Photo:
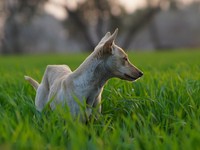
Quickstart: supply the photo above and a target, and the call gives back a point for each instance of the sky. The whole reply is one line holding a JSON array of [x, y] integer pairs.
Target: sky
[[54, 6]]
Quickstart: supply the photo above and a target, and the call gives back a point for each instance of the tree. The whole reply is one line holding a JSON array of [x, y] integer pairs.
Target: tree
[[86, 23], [18, 13], [93, 18]]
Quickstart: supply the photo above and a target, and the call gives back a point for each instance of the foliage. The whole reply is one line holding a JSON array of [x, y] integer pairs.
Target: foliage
[[159, 111]]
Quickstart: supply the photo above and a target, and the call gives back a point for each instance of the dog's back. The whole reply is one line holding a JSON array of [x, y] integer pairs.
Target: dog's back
[[55, 72], [52, 74]]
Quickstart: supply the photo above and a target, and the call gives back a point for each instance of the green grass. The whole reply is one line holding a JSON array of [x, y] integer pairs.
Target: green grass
[[159, 111]]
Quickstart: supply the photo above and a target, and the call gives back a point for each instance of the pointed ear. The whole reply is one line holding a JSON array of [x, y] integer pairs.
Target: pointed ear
[[106, 36], [109, 42]]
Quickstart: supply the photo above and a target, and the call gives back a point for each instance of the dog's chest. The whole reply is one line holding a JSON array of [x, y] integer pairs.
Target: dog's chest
[[88, 93]]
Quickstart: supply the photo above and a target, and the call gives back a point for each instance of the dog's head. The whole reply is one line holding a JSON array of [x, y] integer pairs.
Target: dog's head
[[116, 60]]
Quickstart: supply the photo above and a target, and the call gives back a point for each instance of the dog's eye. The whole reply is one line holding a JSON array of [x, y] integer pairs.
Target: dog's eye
[[125, 58]]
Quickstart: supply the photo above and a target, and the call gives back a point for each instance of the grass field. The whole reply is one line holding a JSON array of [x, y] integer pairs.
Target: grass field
[[159, 111]]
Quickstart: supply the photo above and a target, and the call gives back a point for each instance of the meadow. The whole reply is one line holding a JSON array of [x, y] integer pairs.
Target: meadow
[[159, 111]]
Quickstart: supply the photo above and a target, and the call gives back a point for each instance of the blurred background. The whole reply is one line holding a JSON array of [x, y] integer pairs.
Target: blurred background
[[41, 26]]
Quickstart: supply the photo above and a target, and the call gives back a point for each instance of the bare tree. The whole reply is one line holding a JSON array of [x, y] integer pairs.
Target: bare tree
[[86, 23], [154, 34], [93, 18], [18, 14], [143, 18]]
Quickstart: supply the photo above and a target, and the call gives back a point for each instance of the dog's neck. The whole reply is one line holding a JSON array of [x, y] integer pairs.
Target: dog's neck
[[92, 72]]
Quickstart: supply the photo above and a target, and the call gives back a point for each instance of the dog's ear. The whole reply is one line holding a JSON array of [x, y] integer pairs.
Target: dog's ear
[[109, 42], [106, 36]]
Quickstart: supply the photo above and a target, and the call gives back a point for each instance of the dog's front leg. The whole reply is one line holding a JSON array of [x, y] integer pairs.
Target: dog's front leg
[[97, 105]]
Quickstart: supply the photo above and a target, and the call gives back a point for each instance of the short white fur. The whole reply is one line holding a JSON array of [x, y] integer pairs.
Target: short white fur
[[62, 86]]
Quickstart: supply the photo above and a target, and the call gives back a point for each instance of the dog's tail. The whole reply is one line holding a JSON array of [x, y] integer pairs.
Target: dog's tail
[[33, 82]]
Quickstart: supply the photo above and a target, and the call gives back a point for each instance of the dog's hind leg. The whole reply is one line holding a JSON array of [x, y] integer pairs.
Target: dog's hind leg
[[42, 93], [41, 98]]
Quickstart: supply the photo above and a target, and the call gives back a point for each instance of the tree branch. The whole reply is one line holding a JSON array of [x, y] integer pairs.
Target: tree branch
[[143, 20]]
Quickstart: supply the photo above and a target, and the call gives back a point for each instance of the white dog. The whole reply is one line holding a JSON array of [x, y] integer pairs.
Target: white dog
[[62, 86]]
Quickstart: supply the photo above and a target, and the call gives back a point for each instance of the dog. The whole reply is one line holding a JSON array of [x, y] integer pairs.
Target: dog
[[84, 85]]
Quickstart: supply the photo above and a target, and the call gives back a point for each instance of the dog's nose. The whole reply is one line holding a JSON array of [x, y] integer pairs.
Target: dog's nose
[[140, 73]]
